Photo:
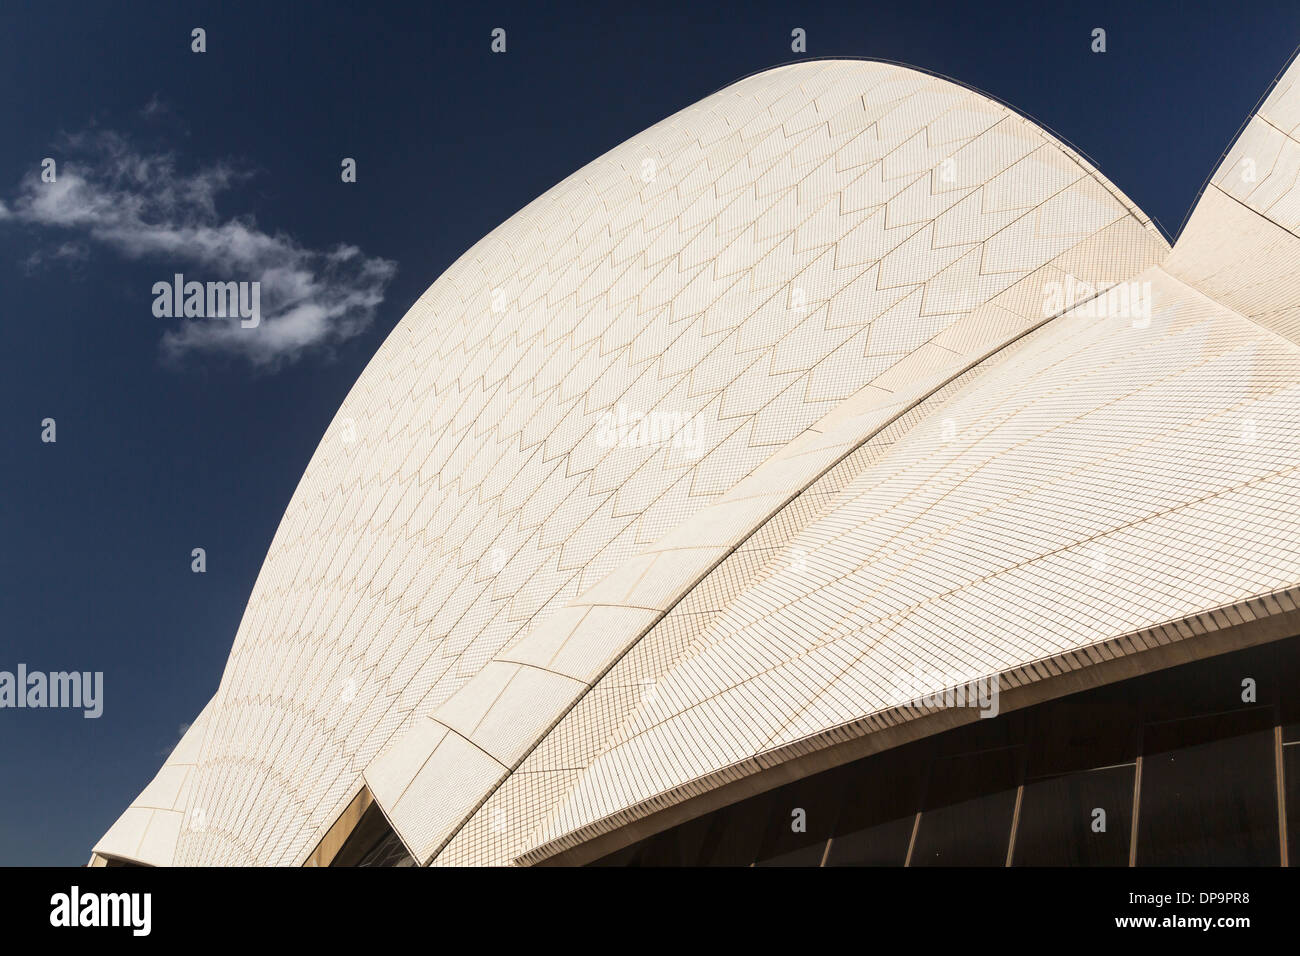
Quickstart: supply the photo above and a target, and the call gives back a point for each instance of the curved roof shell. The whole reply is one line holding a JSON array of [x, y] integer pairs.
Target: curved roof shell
[[592, 410]]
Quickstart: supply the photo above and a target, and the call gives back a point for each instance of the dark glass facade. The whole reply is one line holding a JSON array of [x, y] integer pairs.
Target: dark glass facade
[[387, 852], [372, 842], [1193, 765]]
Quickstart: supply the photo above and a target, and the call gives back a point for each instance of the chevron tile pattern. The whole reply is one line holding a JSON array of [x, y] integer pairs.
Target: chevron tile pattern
[[438, 771], [816, 238], [1100, 480], [149, 830], [1101, 486], [1241, 245]]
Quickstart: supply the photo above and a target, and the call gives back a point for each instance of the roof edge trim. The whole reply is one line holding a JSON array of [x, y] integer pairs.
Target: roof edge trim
[[1068, 147], [1233, 626]]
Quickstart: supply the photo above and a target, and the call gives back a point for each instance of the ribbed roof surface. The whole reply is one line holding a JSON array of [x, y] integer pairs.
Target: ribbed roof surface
[[772, 276]]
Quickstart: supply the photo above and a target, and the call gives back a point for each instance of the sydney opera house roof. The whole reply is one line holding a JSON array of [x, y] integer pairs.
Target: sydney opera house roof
[[655, 498]]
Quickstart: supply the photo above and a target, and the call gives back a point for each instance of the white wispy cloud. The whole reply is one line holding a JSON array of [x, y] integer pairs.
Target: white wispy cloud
[[67, 252], [154, 107], [141, 206]]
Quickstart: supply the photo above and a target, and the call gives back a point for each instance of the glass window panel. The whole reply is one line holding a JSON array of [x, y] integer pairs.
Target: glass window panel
[[881, 799], [1209, 686], [969, 804], [371, 838], [388, 852], [1209, 795], [679, 846], [1288, 679], [1291, 775], [1083, 732], [1058, 820], [883, 844], [818, 798], [982, 733], [734, 836], [628, 856]]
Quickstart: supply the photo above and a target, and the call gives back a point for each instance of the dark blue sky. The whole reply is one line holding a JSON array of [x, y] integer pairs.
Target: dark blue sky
[[155, 458]]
